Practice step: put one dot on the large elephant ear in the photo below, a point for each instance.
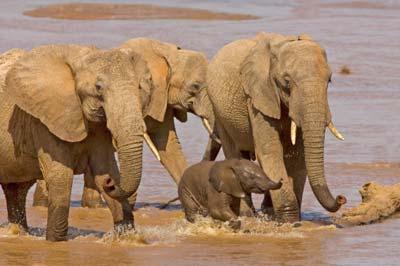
(42, 84)
(145, 80)
(223, 179)
(254, 72)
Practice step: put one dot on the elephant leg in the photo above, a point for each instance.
(190, 207)
(15, 194)
(91, 197)
(296, 169)
(247, 206)
(295, 164)
(41, 195)
(269, 151)
(225, 208)
(266, 206)
(59, 180)
(121, 210)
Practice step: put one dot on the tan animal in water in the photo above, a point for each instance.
(269, 95)
(378, 202)
(63, 108)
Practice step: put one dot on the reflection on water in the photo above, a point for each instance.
(365, 105)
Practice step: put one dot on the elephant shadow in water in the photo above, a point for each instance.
(159, 205)
(73, 232)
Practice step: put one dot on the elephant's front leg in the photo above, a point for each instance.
(296, 167)
(91, 197)
(269, 152)
(121, 210)
(225, 208)
(59, 180)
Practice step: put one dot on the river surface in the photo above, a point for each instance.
(364, 36)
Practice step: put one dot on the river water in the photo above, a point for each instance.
(365, 36)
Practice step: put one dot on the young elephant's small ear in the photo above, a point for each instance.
(223, 179)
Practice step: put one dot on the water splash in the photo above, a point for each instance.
(207, 227)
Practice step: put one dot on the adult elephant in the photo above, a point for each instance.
(179, 78)
(263, 90)
(63, 108)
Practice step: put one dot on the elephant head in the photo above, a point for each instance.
(292, 73)
(237, 177)
(179, 76)
(68, 87)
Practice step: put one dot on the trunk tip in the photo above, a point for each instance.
(341, 200)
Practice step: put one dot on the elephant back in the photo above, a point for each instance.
(7, 59)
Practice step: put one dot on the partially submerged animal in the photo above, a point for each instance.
(216, 188)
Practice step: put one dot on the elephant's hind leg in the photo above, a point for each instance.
(91, 197)
(15, 194)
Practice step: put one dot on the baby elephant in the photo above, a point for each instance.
(216, 188)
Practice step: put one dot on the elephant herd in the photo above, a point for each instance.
(66, 110)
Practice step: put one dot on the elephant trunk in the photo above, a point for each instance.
(313, 126)
(125, 121)
(130, 159)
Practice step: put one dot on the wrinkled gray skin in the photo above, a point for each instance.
(179, 78)
(257, 87)
(216, 188)
(63, 108)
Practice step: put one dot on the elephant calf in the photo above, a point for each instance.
(215, 188)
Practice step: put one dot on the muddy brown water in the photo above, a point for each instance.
(364, 36)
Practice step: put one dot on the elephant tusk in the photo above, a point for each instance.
(152, 146)
(293, 129)
(335, 132)
(210, 131)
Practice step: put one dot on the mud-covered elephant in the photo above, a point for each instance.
(67, 109)
(263, 90)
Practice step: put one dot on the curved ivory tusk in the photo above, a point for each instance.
(293, 129)
(210, 131)
(334, 131)
(152, 146)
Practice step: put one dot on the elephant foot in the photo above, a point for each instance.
(55, 238)
(287, 216)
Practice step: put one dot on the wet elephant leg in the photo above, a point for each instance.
(15, 194)
(296, 168)
(121, 211)
(269, 152)
(59, 181)
(190, 207)
(41, 195)
(91, 197)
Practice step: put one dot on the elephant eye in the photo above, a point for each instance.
(196, 86)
